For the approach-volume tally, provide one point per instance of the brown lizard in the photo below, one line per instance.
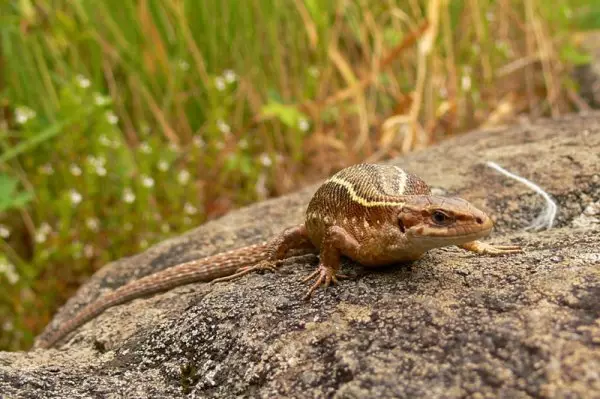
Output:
(374, 214)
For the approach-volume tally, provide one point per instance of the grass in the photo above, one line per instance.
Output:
(124, 123)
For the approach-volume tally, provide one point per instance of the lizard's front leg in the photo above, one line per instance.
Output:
(291, 238)
(335, 242)
(488, 249)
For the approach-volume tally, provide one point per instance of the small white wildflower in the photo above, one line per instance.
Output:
(24, 114)
(75, 170)
(88, 251)
(147, 181)
(105, 141)
(165, 228)
(303, 125)
(243, 144)
(9, 271)
(100, 170)
(314, 71)
(163, 165)
(101, 100)
(112, 118)
(75, 196)
(198, 142)
(47, 169)
(266, 160)
(490, 16)
(145, 148)
(183, 177)
(41, 233)
(83, 82)
(190, 209)
(92, 223)
(128, 195)
(220, 83)
(223, 127)
(4, 231)
(183, 65)
(465, 82)
(229, 76)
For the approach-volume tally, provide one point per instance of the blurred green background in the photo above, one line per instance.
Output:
(123, 123)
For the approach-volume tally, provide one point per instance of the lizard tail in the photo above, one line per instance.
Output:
(202, 270)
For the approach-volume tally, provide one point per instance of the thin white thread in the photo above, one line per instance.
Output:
(544, 219)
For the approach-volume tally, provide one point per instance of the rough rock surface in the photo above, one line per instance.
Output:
(450, 325)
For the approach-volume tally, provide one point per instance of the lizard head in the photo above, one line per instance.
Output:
(439, 221)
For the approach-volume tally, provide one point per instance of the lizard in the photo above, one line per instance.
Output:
(374, 214)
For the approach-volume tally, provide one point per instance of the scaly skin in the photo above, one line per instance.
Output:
(374, 214)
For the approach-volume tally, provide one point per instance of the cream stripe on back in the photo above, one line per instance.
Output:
(403, 179)
(360, 200)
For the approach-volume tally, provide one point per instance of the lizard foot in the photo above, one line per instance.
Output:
(324, 277)
(263, 265)
(489, 249)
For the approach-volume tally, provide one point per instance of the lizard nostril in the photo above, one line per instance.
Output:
(479, 220)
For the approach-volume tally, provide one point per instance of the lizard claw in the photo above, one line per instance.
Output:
(324, 277)
(263, 265)
(490, 249)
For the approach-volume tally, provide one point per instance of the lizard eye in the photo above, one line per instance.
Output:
(440, 218)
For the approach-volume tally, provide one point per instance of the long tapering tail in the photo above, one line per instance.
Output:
(202, 270)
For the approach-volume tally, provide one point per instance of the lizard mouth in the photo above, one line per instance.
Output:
(456, 235)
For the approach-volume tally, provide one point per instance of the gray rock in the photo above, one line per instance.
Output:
(450, 325)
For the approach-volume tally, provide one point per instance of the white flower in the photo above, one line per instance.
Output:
(147, 181)
(112, 118)
(173, 147)
(198, 142)
(105, 141)
(220, 83)
(183, 65)
(465, 82)
(47, 169)
(92, 224)
(183, 177)
(100, 170)
(83, 82)
(266, 160)
(229, 76)
(4, 231)
(145, 148)
(128, 195)
(42, 232)
(314, 71)
(101, 100)
(9, 271)
(75, 170)
(75, 197)
(303, 125)
(243, 144)
(190, 209)
(23, 114)
(163, 165)
(223, 127)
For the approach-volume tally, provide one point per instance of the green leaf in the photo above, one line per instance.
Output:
(9, 196)
(575, 56)
(289, 115)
